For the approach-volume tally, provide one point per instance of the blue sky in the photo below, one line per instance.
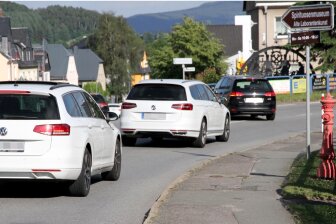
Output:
(122, 8)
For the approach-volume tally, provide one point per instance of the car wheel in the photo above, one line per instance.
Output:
(253, 116)
(270, 117)
(114, 174)
(201, 140)
(226, 133)
(81, 186)
(128, 141)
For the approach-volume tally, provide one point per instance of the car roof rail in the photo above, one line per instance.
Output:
(55, 85)
(29, 82)
(60, 85)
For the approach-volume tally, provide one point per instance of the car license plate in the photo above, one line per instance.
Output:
(153, 116)
(12, 146)
(254, 100)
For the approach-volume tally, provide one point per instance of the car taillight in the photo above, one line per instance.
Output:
(269, 94)
(53, 129)
(103, 104)
(183, 106)
(126, 105)
(236, 94)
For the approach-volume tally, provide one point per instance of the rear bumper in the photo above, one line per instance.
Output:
(252, 110)
(144, 133)
(59, 163)
(40, 174)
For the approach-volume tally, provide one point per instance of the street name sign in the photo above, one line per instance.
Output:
(182, 61)
(189, 69)
(309, 17)
(309, 37)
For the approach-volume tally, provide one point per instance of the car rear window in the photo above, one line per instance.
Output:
(253, 85)
(157, 92)
(28, 107)
(98, 98)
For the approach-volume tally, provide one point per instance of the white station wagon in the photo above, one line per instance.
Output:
(52, 131)
(173, 108)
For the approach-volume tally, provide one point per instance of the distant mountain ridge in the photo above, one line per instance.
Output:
(212, 13)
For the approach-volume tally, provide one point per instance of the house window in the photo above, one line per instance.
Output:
(280, 29)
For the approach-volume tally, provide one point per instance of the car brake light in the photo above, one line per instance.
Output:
(126, 105)
(183, 106)
(235, 93)
(269, 94)
(53, 129)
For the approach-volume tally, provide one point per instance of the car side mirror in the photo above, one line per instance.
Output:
(112, 116)
(224, 100)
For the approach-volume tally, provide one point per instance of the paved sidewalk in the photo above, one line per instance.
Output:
(237, 188)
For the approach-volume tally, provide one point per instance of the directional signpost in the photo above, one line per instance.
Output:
(309, 17)
(183, 62)
(302, 20)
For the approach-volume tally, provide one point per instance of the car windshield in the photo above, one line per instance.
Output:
(157, 92)
(252, 85)
(28, 107)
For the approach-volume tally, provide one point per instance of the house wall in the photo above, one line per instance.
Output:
(7, 71)
(101, 78)
(4, 68)
(72, 74)
(264, 33)
(27, 74)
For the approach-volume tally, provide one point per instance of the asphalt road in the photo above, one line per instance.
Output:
(147, 169)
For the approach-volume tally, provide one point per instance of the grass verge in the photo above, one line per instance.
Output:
(301, 97)
(309, 199)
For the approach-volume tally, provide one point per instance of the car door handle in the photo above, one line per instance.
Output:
(89, 126)
(102, 127)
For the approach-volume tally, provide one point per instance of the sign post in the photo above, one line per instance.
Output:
(302, 21)
(183, 62)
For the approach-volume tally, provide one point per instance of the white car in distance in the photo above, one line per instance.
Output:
(115, 107)
(52, 131)
(173, 108)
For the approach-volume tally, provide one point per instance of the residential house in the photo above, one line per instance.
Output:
(143, 72)
(268, 29)
(89, 66)
(22, 52)
(237, 45)
(17, 61)
(62, 64)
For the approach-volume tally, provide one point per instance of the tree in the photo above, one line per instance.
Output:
(187, 40)
(116, 43)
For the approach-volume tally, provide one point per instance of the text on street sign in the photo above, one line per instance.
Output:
(309, 17)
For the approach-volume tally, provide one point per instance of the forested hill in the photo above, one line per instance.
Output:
(222, 12)
(57, 24)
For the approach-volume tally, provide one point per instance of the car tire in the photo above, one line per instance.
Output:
(128, 141)
(270, 117)
(114, 174)
(226, 133)
(201, 140)
(81, 186)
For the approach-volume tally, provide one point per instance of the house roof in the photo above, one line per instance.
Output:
(5, 27)
(58, 59)
(230, 36)
(87, 64)
(21, 36)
